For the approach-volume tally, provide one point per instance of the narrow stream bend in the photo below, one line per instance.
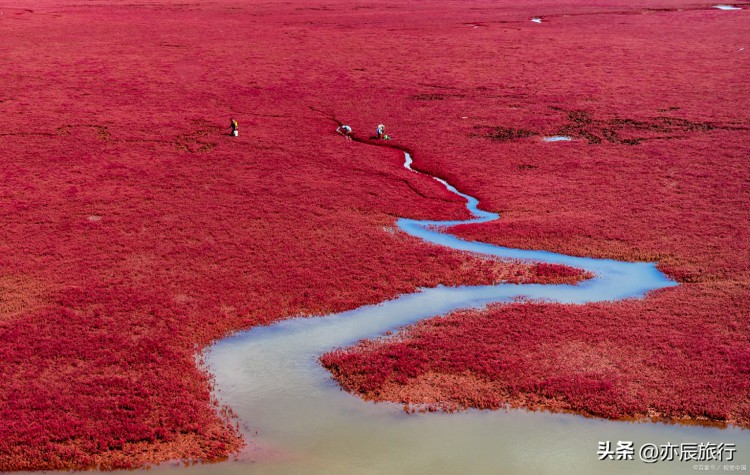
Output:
(271, 378)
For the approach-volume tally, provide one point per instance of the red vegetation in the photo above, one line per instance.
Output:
(625, 360)
(134, 231)
(657, 103)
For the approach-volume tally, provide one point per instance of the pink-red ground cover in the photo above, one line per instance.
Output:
(134, 231)
(656, 101)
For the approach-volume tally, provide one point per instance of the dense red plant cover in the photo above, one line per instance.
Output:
(134, 231)
(657, 103)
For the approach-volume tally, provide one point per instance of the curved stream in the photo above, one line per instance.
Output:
(271, 378)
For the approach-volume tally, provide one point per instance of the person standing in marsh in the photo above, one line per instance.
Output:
(345, 130)
(235, 127)
(380, 131)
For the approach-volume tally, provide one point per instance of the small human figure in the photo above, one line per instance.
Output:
(380, 131)
(233, 124)
(345, 130)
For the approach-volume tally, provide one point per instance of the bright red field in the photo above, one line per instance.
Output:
(657, 102)
(134, 232)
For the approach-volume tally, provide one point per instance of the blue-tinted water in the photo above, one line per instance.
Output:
(557, 138)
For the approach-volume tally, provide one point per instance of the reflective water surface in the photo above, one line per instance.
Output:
(727, 7)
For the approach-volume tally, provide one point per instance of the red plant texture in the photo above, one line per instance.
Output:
(134, 231)
(656, 104)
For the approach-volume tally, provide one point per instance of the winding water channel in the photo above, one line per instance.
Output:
(271, 378)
